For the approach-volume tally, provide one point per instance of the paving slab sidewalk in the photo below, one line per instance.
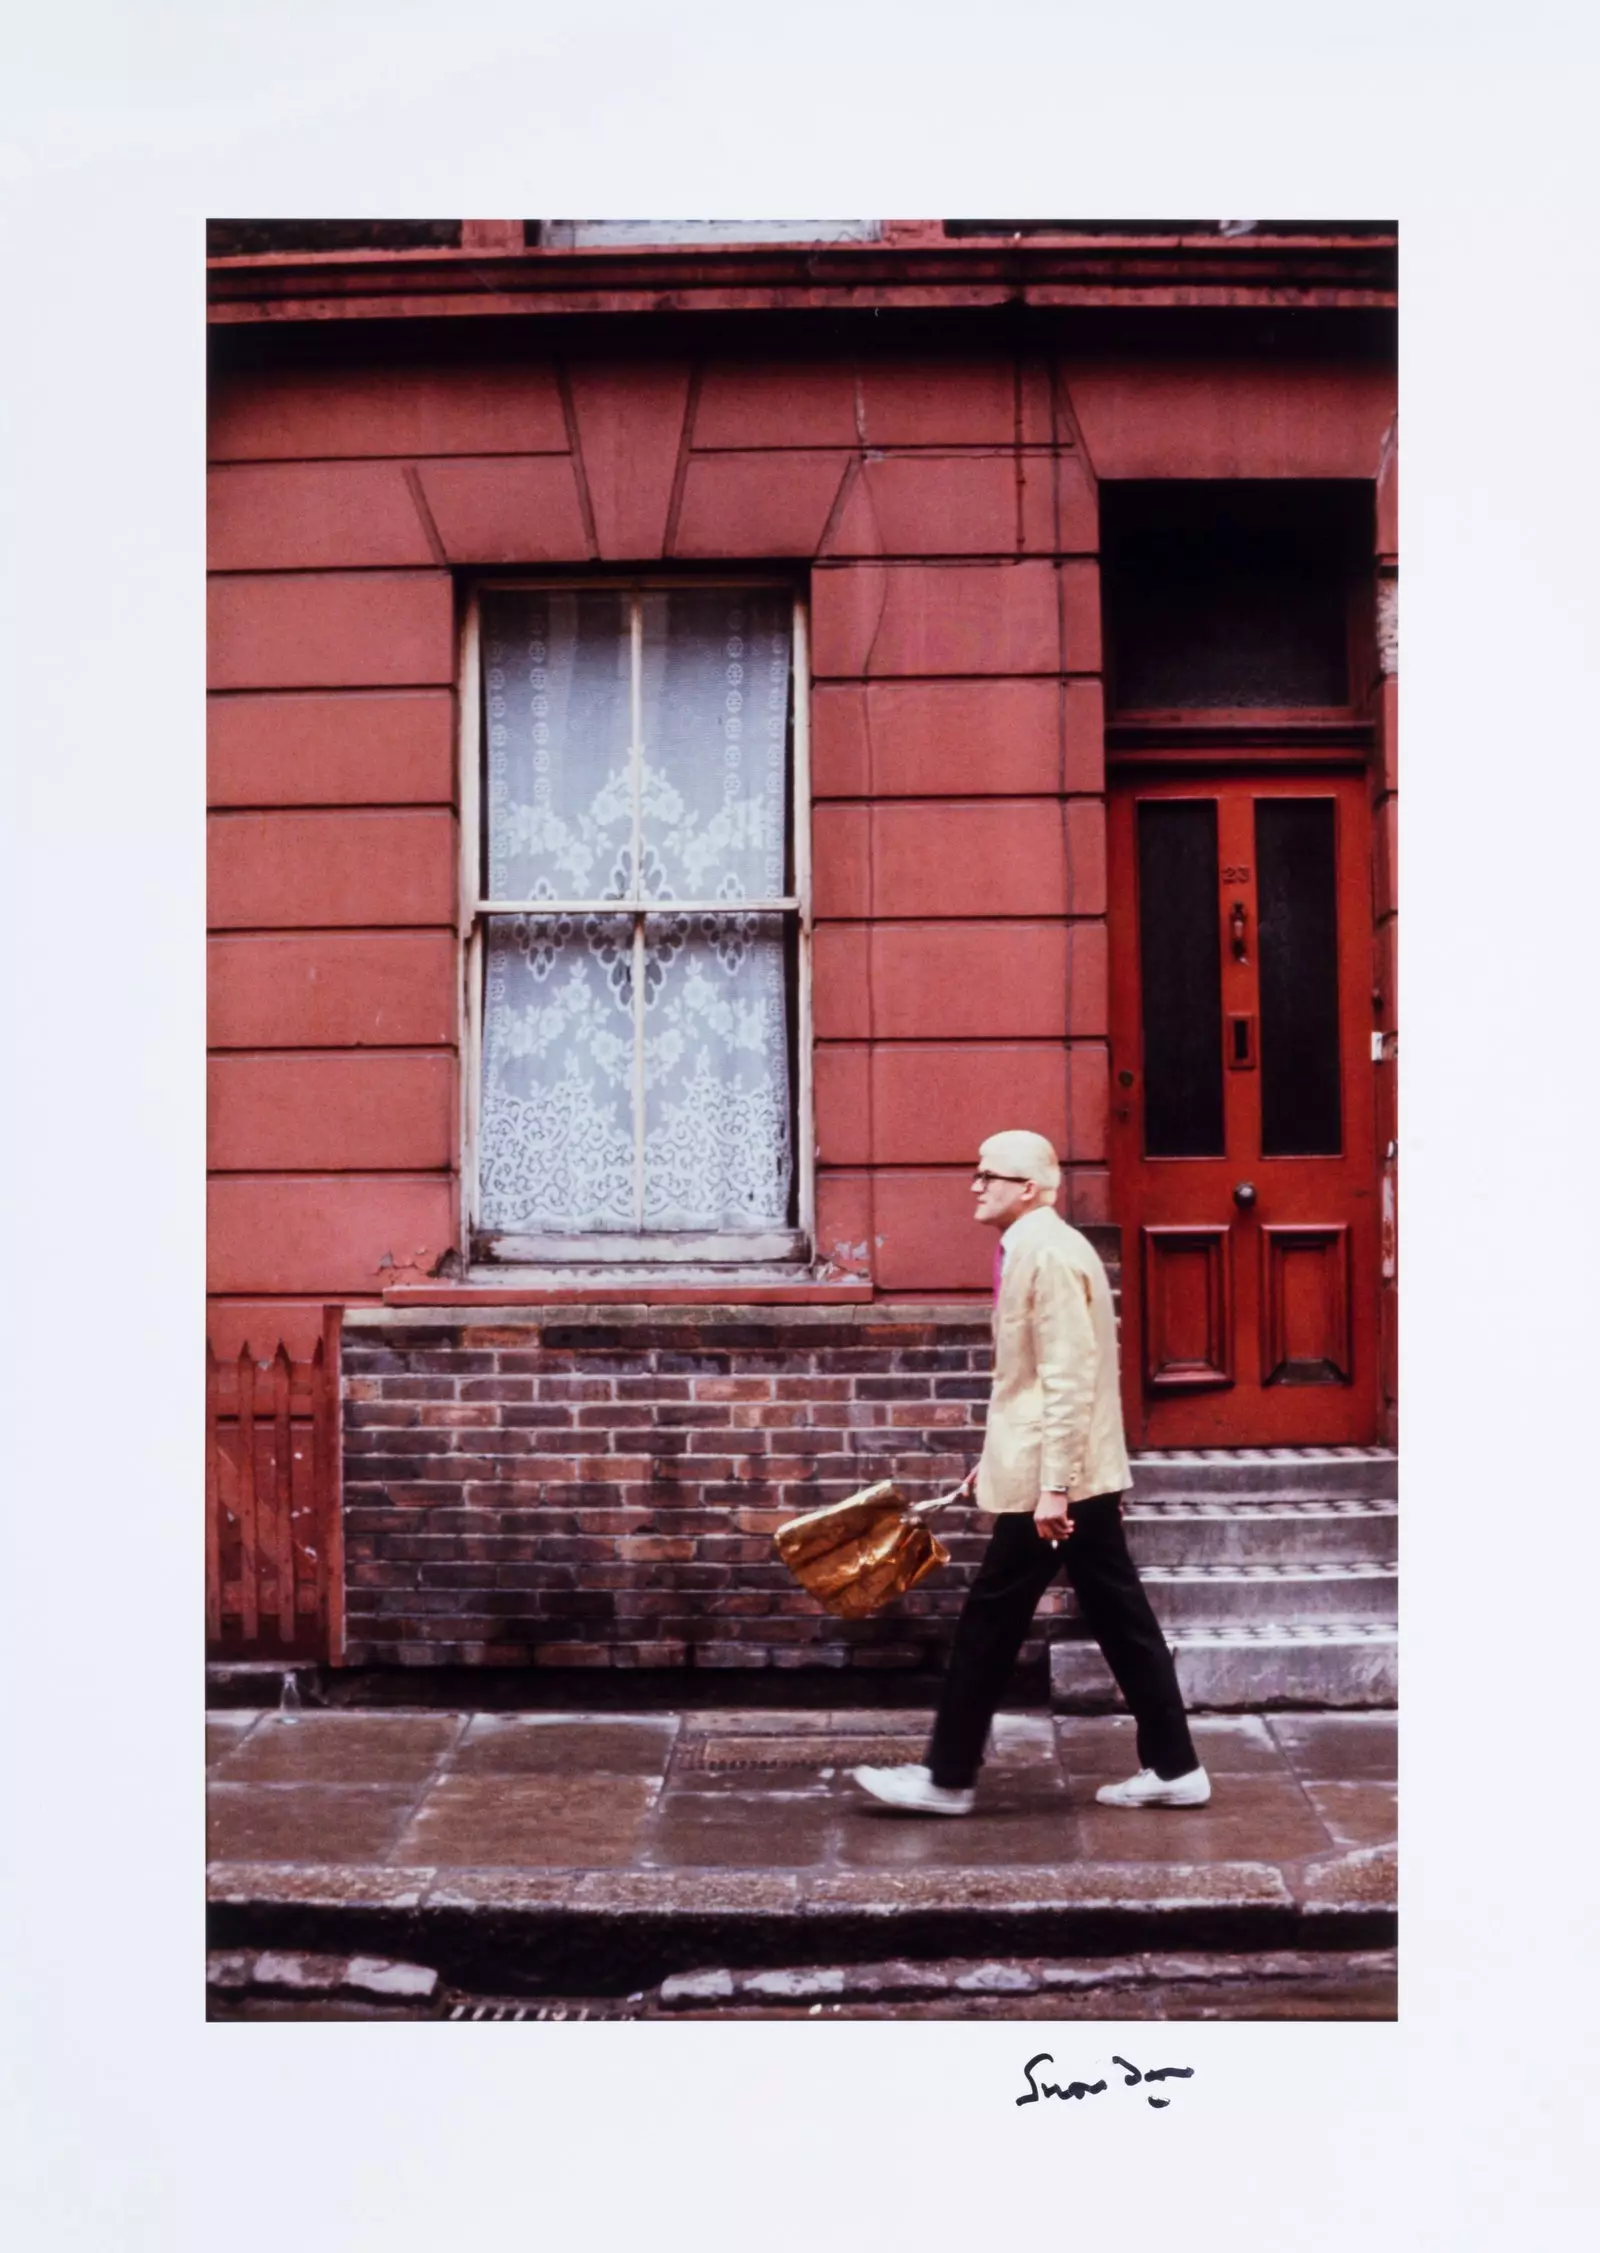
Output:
(598, 1853)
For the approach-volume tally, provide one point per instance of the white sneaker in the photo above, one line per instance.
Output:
(914, 1791)
(1147, 1789)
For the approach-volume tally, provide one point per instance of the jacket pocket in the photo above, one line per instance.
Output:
(1014, 1440)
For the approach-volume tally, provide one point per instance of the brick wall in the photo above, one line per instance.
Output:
(599, 1487)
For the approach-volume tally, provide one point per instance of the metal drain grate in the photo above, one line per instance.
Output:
(573, 2013)
(795, 1752)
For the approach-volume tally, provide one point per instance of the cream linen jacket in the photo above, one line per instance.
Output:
(1055, 1414)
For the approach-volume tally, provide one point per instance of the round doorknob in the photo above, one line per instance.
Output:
(1244, 1195)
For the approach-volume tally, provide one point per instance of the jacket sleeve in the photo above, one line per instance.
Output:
(1067, 1358)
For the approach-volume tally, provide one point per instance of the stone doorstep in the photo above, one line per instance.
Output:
(1194, 1596)
(1329, 1665)
(1307, 1534)
(1249, 1474)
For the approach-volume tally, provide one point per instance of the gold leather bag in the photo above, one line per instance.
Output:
(858, 1555)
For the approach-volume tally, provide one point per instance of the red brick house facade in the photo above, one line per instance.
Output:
(1073, 551)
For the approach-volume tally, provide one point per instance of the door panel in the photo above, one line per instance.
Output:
(1305, 1300)
(1242, 1128)
(1188, 1327)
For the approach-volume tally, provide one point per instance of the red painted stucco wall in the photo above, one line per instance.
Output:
(945, 514)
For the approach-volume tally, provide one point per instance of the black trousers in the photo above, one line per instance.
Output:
(1017, 1568)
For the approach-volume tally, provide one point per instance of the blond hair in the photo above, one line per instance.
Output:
(1029, 1156)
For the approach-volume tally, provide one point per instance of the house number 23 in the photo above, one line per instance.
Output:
(1236, 876)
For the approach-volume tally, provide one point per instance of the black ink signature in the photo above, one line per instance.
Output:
(1133, 2079)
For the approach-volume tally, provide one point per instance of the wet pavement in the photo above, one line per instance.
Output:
(591, 1854)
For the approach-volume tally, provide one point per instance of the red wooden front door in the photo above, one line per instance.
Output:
(1242, 1131)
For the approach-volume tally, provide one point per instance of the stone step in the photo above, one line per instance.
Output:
(1255, 1474)
(1281, 1532)
(1231, 1595)
(1348, 1663)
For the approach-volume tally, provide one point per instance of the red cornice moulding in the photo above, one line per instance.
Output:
(1144, 270)
(1187, 297)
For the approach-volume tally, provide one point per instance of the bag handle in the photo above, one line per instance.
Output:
(948, 1501)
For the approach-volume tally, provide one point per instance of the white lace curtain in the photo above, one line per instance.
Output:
(636, 1035)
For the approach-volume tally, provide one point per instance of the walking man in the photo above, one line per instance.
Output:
(1052, 1474)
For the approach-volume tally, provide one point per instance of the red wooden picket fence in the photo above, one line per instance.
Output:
(274, 1552)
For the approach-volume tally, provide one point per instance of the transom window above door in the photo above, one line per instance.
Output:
(1246, 598)
(635, 914)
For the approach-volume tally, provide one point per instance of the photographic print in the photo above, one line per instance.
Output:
(801, 1380)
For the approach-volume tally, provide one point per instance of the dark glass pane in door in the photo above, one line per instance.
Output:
(1297, 906)
(1180, 977)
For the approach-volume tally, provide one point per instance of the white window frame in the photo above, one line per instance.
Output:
(611, 1258)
